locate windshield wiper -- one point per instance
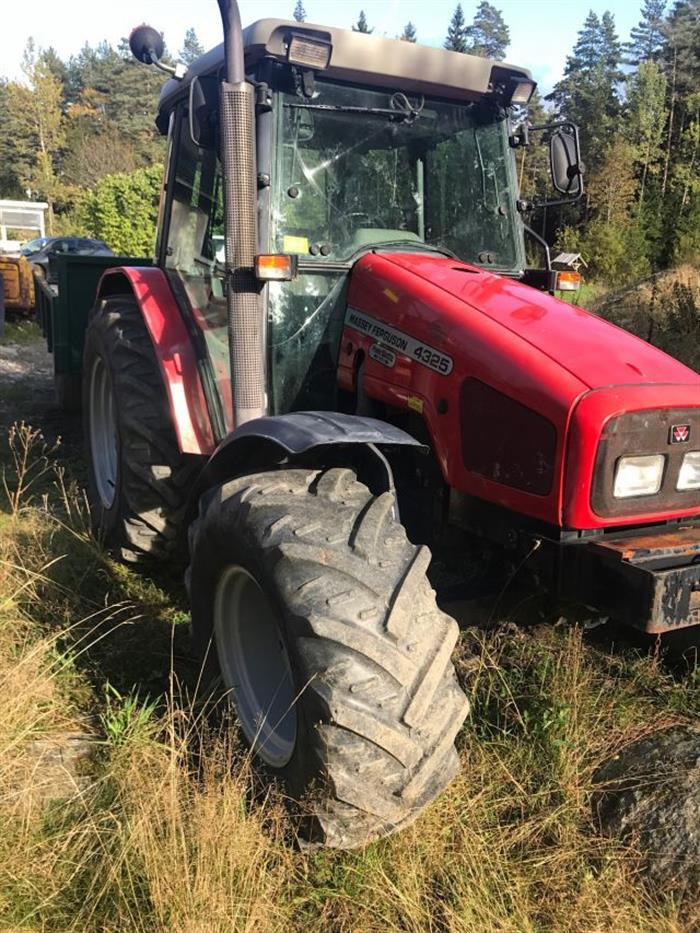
(408, 115)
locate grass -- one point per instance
(168, 826)
(665, 310)
(173, 829)
(20, 331)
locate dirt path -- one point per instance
(27, 393)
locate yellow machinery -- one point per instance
(19, 283)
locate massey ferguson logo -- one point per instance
(680, 434)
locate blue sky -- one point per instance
(542, 31)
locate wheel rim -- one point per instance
(103, 433)
(255, 666)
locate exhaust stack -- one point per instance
(245, 325)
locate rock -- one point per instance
(648, 796)
(59, 765)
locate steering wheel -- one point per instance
(356, 220)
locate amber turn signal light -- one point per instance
(276, 267)
(568, 281)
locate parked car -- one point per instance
(42, 252)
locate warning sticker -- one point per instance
(397, 340)
(295, 244)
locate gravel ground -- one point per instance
(27, 394)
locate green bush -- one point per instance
(122, 210)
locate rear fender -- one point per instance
(311, 439)
(173, 349)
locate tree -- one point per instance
(15, 143)
(646, 118)
(191, 49)
(588, 91)
(533, 160)
(681, 62)
(299, 12)
(92, 154)
(646, 38)
(409, 32)
(125, 93)
(36, 118)
(361, 25)
(456, 39)
(488, 36)
(611, 51)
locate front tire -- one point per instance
(370, 706)
(137, 478)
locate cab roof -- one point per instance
(362, 59)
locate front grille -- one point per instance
(505, 441)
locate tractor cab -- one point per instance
(362, 144)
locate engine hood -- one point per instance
(595, 352)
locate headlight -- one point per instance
(689, 476)
(638, 476)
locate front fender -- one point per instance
(307, 438)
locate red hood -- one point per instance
(594, 351)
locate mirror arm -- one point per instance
(177, 71)
(541, 240)
(525, 206)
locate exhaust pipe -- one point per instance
(245, 325)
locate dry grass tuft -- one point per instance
(664, 310)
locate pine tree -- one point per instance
(533, 160)
(409, 32)
(191, 49)
(588, 92)
(682, 33)
(456, 39)
(361, 25)
(646, 38)
(611, 52)
(299, 12)
(488, 36)
(16, 140)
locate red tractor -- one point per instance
(339, 342)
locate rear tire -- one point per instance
(377, 702)
(137, 478)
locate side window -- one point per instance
(195, 234)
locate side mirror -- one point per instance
(565, 165)
(146, 45)
(565, 161)
(203, 110)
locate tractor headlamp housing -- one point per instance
(689, 475)
(309, 51)
(518, 91)
(643, 464)
(638, 476)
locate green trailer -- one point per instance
(62, 313)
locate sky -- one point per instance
(542, 31)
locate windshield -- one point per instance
(358, 167)
(33, 246)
